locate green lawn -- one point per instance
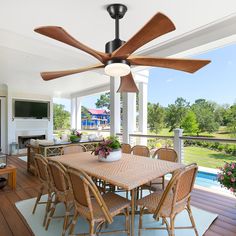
(206, 157)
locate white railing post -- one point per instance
(114, 106)
(178, 144)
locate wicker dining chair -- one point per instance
(126, 148)
(73, 149)
(140, 150)
(165, 154)
(170, 202)
(63, 193)
(41, 167)
(98, 209)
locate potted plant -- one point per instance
(227, 176)
(108, 150)
(75, 136)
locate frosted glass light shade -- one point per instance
(117, 69)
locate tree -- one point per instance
(85, 113)
(61, 117)
(156, 115)
(231, 126)
(103, 101)
(175, 113)
(189, 123)
(204, 111)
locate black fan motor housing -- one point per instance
(111, 46)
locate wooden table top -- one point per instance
(7, 169)
(129, 172)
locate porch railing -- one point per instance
(176, 141)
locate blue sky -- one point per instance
(215, 82)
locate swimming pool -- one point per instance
(207, 180)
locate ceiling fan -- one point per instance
(118, 57)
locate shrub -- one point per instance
(227, 176)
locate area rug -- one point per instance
(202, 218)
(23, 158)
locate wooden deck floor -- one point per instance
(11, 223)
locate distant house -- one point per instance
(99, 118)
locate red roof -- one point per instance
(97, 111)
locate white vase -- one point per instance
(113, 156)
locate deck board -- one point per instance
(12, 224)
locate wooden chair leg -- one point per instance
(38, 199)
(91, 229)
(191, 218)
(47, 209)
(51, 213)
(66, 218)
(127, 223)
(172, 226)
(74, 221)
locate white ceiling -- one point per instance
(24, 53)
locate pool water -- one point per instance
(207, 180)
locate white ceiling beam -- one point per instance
(216, 31)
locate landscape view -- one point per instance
(207, 111)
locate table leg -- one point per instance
(12, 179)
(133, 201)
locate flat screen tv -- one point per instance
(31, 109)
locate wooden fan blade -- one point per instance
(57, 74)
(127, 84)
(187, 65)
(158, 25)
(58, 33)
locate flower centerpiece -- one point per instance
(227, 176)
(108, 150)
(75, 136)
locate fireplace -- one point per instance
(23, 141)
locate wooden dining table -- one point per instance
(129, 173)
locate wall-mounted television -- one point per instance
(31, 109)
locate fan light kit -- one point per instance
(118, 56)
(117, 69)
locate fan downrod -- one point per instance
(117, 12)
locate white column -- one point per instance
(143, 111)
(114, 106)
(178, 144)
(78, 113)
(73, 112)
(128, 115)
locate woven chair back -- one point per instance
(83, 188)
(41, 165)
(126, 148)
(73, 149)
(141, 150)
(178, 189)
(58, 176)
(166, 154)
(185, 182)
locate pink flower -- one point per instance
(226, 165)
(229, 173)
(231, 189)
(221, 177)
(233, 165)
(232, 179)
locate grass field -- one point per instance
(221, 133)
(206, 157)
